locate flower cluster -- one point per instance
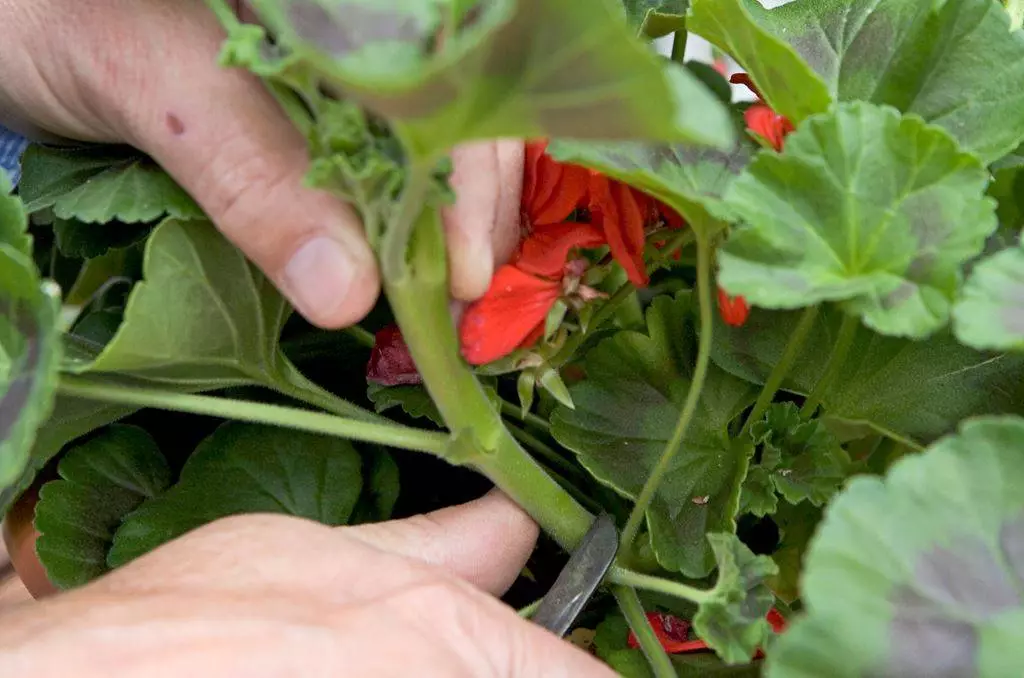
(545, 269)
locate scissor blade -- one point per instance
(580, 577)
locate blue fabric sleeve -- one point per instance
(11, 147)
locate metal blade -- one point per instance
(580, 577)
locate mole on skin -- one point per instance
(175, 124)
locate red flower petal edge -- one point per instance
(674, 633)
(391, 363)
(767, 124)
(734, 310)
(507, 316)
(545, 252)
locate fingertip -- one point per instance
(471, 260)
(331, 280)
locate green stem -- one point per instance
(364, 337)
(529, 610)
(679, 46)
(636, 580)
(419, 300)
(394, 435)
(544, 451)
(530, 419)
(396, 242)
(292, 383)
(636, 517)
(847, 331)
(633, 610)
(603, 315)
(782, 368)
(224, 13)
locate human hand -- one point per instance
(262, 595)
(145, 72)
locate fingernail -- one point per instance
(318, 278)
(474, 269)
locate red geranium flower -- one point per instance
(551, 190)
(734, 310)
(621, 212)
(760, 118)
(391, 363)
(674, 633)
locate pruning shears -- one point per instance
(580, 577)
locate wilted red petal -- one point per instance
(744, 79)
(673, 633)
(768, 124)
(734, 310)
(615, 207)
(391, 363)
(501, 321)
(544, 253)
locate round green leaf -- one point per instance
(990, 313)
(102, 481)
(920, 573)
(863, 207)
(625, 413)
(244, 468)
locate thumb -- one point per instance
(485, 542)
(225, 140)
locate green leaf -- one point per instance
(796, 525)
(990, 312)
(413, 400)
(380, 493)
(732, 620)
(1015, 8)
(71, 418)
(758, 493)
(102, 184)
(203, 317)
(690, 179)
(919, 574)
(739, 27)
(625, 413)
(955, 63)
(802, 460)
(102, 481)
(656, 18)
(29, 356)
(13, 220)
(521, 68)
(244, 468)
(81, 240)
(917, 390)
(884, 230)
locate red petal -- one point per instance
(534, 153)
(391, 363)
(777, 621)
(505, 317)
(570, 194)
(544, 253)
(767, 124)
(616, 209)
(672, 218)
(744, 79)
(734, 310)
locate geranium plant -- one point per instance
(781, 341)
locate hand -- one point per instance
(145, 72)
(266, 596)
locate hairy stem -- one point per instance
(292, 383)
(419, 300)
(643, 502)
(633, 610)
(636, 580)
(391, 434)
(782, 368)
(847, 331)
(545, 452)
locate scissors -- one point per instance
(580, 577)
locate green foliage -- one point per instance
(625, 413)
(102, 481)
(799, 460)
(919, 573)
(413, 400)
(29, 343)
(243, 468)
(656, 18)
(520, 68)
(731, 620)
(990, 314)
(917, 390)
(884, 230)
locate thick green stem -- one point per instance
(847, 331)
(636, 580)
(633, 610)
(393, 435)
(679, 46)
(545, 452)
(419, 300)
(700, 371)
(782, 368)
